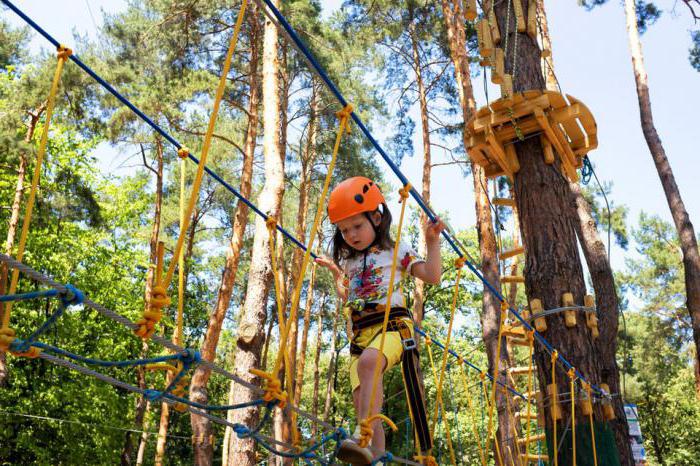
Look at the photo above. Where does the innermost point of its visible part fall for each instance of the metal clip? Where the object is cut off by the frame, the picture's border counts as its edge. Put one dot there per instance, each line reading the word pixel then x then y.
pixel 408 344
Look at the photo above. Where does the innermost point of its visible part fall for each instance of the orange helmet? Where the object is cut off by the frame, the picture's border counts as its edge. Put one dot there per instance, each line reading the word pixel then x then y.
pixel 354 196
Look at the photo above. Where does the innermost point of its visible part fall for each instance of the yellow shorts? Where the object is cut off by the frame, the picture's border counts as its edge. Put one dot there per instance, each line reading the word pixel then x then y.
pixel 370 337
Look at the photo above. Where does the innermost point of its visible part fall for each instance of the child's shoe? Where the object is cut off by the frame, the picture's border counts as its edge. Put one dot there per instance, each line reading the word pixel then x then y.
pixel 350 450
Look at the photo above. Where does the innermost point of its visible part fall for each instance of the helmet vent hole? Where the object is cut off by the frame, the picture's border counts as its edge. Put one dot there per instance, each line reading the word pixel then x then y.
pixel 365 188
pixel 359 198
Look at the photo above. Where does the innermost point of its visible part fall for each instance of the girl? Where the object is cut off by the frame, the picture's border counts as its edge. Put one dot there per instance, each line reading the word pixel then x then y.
pixel 361 266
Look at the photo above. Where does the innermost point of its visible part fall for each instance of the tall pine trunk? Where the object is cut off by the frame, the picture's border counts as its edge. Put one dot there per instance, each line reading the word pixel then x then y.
pixel 419 292
pixel 686 232
pixel 490 318
pixel 251 330
pixel 602 278
pixel 141 403
pixel 552 263
pixel 201 426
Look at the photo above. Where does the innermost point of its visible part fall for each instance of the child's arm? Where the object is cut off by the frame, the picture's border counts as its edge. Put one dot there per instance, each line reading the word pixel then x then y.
pixel 430 271
pixel 338 276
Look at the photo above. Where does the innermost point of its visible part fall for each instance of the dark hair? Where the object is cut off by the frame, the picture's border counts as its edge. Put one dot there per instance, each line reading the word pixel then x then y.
pixel 343 251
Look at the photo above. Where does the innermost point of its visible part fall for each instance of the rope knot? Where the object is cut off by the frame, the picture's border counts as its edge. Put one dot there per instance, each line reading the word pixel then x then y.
pixel 241 430
pixel 152 395
pixel 345 114
pixel 482 375
pixel 271 222
pixel 23 348
pixel 460 261
pixel 190 356
pixel 157 300
pixel 366 428
pixel 428 340
pixel 571 373
pixel 273 388
pixel 555 356
pixel 460 361
pixel 183 152
pixel 63 52
pixel 404 192
pixel 72 296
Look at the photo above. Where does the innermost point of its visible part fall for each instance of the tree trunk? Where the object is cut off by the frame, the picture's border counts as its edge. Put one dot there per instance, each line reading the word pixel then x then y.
pixel 419 291
pixel 251 329
pixel 141 403
pixel 201 426
pixel 594 252
pixel 141 452
pixel 301 358
pixel 317 359
pixel 487 240
pixel 14 221
pixel 338 315
pixel 552 263
pixel 686 232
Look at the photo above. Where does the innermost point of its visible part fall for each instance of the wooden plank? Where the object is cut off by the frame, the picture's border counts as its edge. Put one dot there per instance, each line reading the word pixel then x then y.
pixel 483 35
pixel 498 60
pixel 512 159
pixel 470 12
pixel 519 17
pixel 503 201
pixel 493 171
pixel 520 109
pixel 503 255
pixel 507 86
pixel 493 24
pixel 547 149
pixel 512 279
pixel 498 153
pixel 569 112
pixel 532 20
pixel 477 156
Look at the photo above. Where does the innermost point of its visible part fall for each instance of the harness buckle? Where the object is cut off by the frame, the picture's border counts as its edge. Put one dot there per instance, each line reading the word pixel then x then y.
pixel 408 344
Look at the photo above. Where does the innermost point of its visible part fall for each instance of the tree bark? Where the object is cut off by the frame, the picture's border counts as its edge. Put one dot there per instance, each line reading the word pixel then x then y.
pixel 332 364
pixel 686 232
pixel 141 452
pixel 548 62
pixel 141 403
pixel 490 317
pixel 251 328
pixel 419 291
pixel 317 359
pixel 201 426
pixel 552 264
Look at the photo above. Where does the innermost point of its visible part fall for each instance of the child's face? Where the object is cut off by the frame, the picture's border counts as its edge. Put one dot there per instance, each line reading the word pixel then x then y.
pixel 357 231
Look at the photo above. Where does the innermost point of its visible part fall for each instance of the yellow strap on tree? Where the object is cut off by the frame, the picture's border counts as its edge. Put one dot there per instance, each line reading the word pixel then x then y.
pixel 146 326
pixel 572 378
pixel 587 387
pixel 470 404
pixel 496 366
pixel 439 404
pixel 62 53
pixel 554 401
pixel 459 264
pixel 403 193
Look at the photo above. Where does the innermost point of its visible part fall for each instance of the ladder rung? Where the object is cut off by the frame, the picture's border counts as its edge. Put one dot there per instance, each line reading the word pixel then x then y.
pixel 503 255
pixel 503 201
pixel 512 279
pixel 533 439
pixel 534 458
pixel 518 341
pixel 522 370
pixel 517 332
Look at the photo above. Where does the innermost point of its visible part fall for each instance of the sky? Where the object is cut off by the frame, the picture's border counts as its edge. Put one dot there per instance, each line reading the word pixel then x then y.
pixel 592 63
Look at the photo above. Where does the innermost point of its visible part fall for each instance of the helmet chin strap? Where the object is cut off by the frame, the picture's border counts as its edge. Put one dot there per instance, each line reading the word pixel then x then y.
pixel 374 227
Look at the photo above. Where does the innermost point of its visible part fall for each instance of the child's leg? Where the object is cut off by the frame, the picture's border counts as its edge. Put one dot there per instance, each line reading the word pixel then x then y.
pixel 365 371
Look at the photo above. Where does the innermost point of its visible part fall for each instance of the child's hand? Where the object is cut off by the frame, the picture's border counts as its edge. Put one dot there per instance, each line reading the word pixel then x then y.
pixel 433 230
pixel 340 281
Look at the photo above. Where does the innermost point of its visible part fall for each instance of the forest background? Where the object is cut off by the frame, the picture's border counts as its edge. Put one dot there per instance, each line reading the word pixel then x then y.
pixel 96 204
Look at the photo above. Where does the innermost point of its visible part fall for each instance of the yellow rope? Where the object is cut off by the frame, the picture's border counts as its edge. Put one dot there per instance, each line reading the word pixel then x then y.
pixel 482 375
pixel 572 377
pixel 587 387
pixel 146 325
pixel 403 193
pixel 459 263
pixel 181 260
pixel 530 338
pixel 470 404
pixel 62 53
pixel 511 417
pixel 504 307
pixel 439 404
pixel 554 401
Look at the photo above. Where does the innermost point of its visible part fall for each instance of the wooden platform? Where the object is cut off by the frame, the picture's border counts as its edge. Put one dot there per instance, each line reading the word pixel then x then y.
pixel 567 130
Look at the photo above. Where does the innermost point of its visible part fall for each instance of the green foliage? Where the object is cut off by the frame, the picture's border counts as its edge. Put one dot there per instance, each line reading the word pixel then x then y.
pixel 609 217
pixel 695 50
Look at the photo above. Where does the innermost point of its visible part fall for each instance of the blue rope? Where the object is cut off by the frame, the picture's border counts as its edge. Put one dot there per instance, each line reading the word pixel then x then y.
pixel 586 170
pixel 27 296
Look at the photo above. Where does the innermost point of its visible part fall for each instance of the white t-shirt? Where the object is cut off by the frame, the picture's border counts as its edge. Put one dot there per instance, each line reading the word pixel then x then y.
pixel 369 273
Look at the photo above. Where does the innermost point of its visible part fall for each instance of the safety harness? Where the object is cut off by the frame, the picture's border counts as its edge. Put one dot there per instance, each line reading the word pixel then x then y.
pixel 373 314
